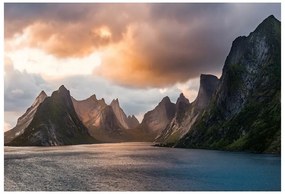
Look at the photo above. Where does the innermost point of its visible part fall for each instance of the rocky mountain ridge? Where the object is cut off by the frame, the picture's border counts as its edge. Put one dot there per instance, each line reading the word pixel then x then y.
pixel 245 112
pixel 186 113
pixel 54 122
pixel 107 123
pixel 239 111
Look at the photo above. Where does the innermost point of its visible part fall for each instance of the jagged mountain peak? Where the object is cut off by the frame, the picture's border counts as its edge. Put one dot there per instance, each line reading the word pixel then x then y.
pixel 93 97
pixel 62 88
pixel 182 99
pixel 51 122
pixel 115 102
pixel 268 23
pixel 157 119
pixel 164 102
pixel 245 109
pixel 40 98
pixel 42 94
pixel 132 121
pixel 62 91
pixel 166 99
pixel 130 116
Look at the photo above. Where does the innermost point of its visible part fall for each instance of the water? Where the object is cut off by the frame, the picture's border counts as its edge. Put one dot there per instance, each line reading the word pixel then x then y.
pixel 137 167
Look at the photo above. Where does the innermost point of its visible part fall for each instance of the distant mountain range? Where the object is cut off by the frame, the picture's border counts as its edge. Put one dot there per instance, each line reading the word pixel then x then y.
pixel 239 111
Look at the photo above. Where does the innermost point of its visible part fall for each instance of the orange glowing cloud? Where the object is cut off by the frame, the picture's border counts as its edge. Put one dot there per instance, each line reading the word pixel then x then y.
pixel 140 45
pixel 125 63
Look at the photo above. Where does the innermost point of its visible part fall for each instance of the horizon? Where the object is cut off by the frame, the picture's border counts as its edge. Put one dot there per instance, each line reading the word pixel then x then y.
pixel 35 58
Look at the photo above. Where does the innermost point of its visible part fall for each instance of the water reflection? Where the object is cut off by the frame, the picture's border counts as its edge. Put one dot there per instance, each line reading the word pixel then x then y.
pixel 137 167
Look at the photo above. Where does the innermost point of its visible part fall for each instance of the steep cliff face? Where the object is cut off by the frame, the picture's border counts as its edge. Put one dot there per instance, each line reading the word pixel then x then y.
pixel 208 86
pixel 126 122
pixel 55 122
pixel 245 112
pixel 156 120
pixel 24 121
pixel 186 113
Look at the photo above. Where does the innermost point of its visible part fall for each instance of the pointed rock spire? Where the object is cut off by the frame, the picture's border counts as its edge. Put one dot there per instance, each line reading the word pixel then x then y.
pixel 182 99
pixel 115 102
pixel 62 89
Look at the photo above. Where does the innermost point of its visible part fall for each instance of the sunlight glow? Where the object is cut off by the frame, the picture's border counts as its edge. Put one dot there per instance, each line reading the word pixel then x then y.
pixel 36 61
pixel 103 32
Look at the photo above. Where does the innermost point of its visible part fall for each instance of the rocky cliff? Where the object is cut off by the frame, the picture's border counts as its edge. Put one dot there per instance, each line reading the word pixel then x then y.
pixel 245 112
pixel 186 113
pixel 127 122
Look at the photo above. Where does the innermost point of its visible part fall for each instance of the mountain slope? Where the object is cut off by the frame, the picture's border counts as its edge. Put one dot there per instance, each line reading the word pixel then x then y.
pixel 245 113
pixel 55 122
pixel 24 121
pixel 156 120
pixel 186 113
pixel 106 123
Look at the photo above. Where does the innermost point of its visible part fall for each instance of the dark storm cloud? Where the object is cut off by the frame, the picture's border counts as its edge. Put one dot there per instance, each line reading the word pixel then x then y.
pixel 196 38
pixel 151 45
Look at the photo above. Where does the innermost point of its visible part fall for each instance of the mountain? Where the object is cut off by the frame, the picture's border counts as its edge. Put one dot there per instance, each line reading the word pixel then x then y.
pixel 89 110
pixel 24 121
pixel 239 111
pixel 245 112
pixel 127 122
pixel 186 113
pixel 156 120
pixel 132 122
pixel 50 121
pixel 106 123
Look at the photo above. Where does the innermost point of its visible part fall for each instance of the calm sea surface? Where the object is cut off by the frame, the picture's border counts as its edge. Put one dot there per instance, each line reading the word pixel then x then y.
pixel 137 167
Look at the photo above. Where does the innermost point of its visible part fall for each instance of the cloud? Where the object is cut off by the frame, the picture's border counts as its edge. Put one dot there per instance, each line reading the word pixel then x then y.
pixel 36 61
pixel 8 65
pixel 10 119
pixel 21 88
pixel 132 100
pixel 69 30
pixel 138 53
pixel 141 45
pixel 7 126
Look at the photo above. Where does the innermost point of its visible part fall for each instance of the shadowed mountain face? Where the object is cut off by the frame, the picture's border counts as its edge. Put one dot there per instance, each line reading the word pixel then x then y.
pixel 129 122
pixel 54 122
pixel 157 119
pixel 245 112
pixel 186 113
pixel 25 119
pixel 62 120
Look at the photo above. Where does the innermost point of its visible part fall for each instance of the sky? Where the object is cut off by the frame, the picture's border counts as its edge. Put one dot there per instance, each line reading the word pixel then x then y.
pixel 138 53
